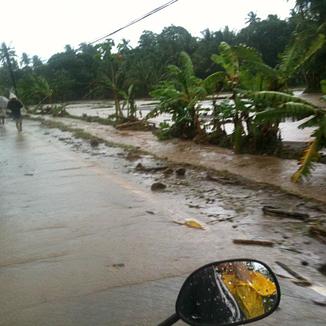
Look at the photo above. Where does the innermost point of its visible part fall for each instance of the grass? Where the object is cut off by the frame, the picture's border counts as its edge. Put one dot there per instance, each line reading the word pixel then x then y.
pixel 82 134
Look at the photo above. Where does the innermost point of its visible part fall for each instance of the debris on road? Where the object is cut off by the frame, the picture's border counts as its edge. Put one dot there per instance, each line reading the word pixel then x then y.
pixel 192 223
pixel 157 186
pixel 322 269
pixel 167 172
pixel 141 167
pixel 94 142
pixel 318 233
pixel 222 179
pixel 299 279
pixel 264 243
pixel 118 265
pixel 320 302
pixel 139 125
pixel 180 172
pixel 271 210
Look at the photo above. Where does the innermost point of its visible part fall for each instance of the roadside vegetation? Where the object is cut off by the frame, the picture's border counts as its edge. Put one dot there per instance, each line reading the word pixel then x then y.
pixel 257 66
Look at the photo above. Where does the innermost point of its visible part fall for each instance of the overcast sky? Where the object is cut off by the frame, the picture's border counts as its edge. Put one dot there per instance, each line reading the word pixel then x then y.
pixel 44 27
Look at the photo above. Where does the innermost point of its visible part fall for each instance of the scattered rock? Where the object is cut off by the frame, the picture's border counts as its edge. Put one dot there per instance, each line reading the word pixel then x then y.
pixel 167 172
pixel 118 265
pixel 150 212
pixel 133 156
pixel 304 263
pixel 180 172
pixel 157 186
pixel 94 142
pixel 139 167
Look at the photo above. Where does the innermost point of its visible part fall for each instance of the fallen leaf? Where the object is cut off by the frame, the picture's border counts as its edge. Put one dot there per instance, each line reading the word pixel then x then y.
pixel 192 223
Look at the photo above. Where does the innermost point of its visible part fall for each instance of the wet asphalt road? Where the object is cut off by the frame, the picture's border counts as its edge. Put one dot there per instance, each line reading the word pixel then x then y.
pixel 83 243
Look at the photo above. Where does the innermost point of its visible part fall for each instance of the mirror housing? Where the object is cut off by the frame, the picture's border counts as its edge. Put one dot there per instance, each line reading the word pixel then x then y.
pixel 229 292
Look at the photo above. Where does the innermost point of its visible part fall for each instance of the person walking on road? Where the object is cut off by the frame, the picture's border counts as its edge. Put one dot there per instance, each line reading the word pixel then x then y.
pixel 15 106
pixel 3 108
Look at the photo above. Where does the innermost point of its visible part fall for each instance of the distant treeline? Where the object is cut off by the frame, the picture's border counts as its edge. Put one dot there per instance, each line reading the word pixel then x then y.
pixel 102 70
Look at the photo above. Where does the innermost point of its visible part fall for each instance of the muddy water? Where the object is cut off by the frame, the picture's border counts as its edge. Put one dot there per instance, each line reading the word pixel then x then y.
pixel 289 130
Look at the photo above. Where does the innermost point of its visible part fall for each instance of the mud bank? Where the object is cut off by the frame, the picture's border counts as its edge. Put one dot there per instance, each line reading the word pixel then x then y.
pixel 267 170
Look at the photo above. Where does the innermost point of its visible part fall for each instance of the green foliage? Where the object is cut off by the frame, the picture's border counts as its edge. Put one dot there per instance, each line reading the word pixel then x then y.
pixel 179 96
pixel 164 131
pixel 59 111
pixel 269 37
pixel 129 103
pixel 323 86
pixel 281 107
pixel 33 89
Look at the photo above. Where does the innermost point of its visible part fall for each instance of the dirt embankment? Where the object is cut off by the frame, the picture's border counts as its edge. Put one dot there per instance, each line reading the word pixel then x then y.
pixel 252 168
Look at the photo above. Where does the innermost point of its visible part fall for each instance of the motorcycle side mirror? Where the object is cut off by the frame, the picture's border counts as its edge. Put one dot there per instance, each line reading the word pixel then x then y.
pixel 229 292
pixel 225 293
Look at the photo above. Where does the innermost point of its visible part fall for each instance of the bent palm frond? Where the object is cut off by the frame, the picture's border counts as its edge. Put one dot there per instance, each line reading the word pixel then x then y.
pixel 292 110
pixel 306 162
pixel 212 83
pixel 275 98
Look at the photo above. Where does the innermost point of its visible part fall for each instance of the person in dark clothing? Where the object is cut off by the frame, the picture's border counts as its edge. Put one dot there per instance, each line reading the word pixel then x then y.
pixel 15 106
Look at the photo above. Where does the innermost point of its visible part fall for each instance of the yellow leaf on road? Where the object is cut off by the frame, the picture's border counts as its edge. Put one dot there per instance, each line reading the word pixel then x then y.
pixel 192 223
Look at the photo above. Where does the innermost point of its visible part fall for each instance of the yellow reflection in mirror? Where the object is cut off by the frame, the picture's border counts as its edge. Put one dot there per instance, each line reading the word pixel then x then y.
pixel 251 287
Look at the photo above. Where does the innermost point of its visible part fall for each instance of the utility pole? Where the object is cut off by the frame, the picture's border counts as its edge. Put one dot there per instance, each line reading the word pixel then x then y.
pixel 9 65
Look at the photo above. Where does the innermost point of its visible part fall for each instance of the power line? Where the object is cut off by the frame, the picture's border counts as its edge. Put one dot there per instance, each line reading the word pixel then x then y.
pixel 136 20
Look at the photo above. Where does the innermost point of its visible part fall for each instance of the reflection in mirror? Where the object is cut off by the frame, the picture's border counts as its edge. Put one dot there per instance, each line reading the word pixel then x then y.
pixel 228 292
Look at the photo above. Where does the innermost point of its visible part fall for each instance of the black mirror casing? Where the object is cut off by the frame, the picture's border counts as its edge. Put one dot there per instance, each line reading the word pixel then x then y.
pixel 208 297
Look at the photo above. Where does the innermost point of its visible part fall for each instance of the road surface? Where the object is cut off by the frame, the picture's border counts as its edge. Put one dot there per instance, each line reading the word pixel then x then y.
pixel 85 242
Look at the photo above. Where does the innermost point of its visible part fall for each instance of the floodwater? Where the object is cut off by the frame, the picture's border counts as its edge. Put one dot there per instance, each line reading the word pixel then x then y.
pixel 85 241
pixel 289 130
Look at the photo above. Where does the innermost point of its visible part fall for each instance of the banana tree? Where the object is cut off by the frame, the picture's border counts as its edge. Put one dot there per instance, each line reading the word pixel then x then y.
pixel 243 69
pixel 281 107
pixel 129 102
pixel 111 74
pixel 179 96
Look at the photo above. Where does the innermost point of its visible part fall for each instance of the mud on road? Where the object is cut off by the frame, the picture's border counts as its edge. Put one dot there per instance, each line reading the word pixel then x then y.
pixel 218 199
pixel 142 247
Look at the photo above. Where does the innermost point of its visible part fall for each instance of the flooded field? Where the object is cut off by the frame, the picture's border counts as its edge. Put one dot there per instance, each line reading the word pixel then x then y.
pixel 289 130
